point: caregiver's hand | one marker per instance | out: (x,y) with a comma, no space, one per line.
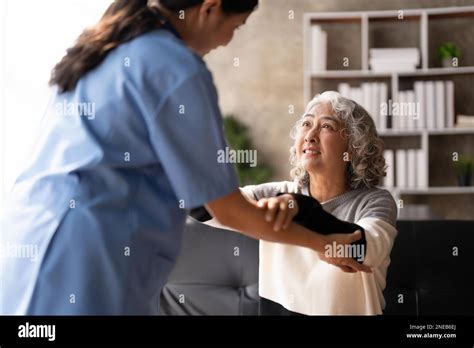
(281,210)
(347,264)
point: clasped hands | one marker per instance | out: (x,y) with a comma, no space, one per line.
(282,209)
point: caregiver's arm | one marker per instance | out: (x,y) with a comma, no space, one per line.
(238,213)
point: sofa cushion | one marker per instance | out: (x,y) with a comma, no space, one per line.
(400,301)
(438,266)
(216,274)
(201,299)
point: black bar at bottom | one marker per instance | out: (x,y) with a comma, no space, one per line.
(221,330)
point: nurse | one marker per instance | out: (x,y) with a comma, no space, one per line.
(127,147)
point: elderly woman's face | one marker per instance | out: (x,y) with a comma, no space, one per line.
(320,142)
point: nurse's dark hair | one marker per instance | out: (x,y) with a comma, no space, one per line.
(123,21)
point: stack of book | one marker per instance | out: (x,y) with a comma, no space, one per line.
(406,168)
(429,106)
(319,40)
(394,59)
(465,121)
(373,96)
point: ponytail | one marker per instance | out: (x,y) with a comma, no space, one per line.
(123,21)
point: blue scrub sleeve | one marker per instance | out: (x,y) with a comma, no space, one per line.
(187,134)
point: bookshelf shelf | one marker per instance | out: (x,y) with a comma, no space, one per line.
(439,71)
(447,190)
(391,14)
(446,131)
(329,74)
(400,133)
(380,29)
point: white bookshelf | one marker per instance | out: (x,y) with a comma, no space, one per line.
(393,75)
(398,192)
(419,132)
(436,190)
(365,19)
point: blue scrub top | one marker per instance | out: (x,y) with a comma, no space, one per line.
(94,223)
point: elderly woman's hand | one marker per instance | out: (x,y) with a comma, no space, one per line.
(281,209)
(346,264)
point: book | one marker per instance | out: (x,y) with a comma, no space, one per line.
(367,94)
(356,95)
(389,180)
(344,89)
(411,168)
(375,103)
(409,53)
(422,168)
(420,100)
(383,99)
(394,59)
(465,121)
(412,109)
(440,105)
(394,115)
(401,168)
(318,48)
(449,88)
(430,107)
(402,121)
(391,65)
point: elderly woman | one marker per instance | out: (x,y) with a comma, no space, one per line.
(337,158)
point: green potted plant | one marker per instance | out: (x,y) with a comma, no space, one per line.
(238,139)
(464,168)
(446,53)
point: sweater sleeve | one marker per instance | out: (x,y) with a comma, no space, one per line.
(312,216)
(378,217)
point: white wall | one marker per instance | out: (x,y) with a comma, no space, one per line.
(33,37)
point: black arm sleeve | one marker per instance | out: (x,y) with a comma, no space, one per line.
(200,214)
(312,216)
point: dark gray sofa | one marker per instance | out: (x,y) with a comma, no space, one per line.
(217,271)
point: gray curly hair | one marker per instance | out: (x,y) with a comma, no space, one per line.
(367,165)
